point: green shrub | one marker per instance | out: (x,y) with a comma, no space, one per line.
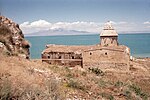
(69,75)
(96,71)
(107,96)
(104,83)
(138,91)
(75,84)
(135,89)
(144,96)
(119,84)
(127,94)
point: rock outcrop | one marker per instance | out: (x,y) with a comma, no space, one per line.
(12,40)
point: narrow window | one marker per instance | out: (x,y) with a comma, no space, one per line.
(105,53)
(72,57)
(90,53)
(112,41)
(104,40)
(59,57)
(48,57)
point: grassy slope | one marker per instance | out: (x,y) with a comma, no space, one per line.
(23,79)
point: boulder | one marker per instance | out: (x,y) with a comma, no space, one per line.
(12,38)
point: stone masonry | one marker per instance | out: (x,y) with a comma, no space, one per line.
(107,54)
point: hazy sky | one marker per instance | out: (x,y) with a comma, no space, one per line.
(126,15)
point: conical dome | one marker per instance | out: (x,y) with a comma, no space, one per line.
(108,30)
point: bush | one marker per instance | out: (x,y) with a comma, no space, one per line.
(138,91)
(119,84)
(127,94)
(69,75)
(96,71)
(107,96)
(102,83)
(75,84)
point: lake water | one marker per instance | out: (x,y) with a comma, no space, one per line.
(139,44)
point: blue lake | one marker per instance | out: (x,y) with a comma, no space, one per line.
(139,44)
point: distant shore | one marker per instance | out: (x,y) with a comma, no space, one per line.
(34,35)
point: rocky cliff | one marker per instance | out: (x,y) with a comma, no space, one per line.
(12,41)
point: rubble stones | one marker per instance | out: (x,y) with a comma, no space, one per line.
(17,45)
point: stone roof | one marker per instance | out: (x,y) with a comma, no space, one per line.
(66,48)
(108,30)
(80,49)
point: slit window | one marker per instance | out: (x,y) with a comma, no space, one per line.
(112,41)
(90,53)
(72,57)
(59,57)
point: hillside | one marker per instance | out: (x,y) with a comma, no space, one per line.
(12,41)
(26,79)
(33,80)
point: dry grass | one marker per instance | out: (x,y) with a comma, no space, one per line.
(33,80)
(27,80)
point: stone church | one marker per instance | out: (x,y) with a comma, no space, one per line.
(109,36)
(107,54)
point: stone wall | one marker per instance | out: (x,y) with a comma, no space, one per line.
(109,41)
(107,65)
(62,58)
(106,57)
(88,56)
